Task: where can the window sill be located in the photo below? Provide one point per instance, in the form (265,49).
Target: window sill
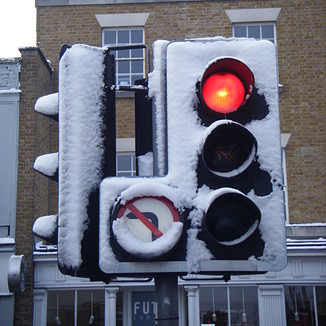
(124,94)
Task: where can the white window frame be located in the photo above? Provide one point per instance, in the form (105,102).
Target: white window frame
(125,22)
(260,25)
(259,16)
(284,141)
(126,146)
(126,58)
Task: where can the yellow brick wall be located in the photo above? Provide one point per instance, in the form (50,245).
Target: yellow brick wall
(300,29)
(32,188)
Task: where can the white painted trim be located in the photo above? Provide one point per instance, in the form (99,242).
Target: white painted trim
(110,305)
(284,139)
(253,15)
(193,305)
(39,307)
(271,303)
(122,20)
(125,144)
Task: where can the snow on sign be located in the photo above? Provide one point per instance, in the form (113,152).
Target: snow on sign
(146,221)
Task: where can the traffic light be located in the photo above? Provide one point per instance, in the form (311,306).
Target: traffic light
(215,201)
(215,204)
(85,110)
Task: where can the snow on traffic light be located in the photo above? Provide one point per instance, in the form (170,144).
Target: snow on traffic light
(85,110)
(217,158)
(214,203)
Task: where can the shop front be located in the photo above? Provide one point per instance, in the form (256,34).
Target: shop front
(294,296)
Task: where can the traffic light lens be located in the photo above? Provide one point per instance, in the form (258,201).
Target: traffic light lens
(231,219)
(228,150)
(223,92)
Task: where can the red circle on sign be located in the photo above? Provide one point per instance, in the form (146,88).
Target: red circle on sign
(147,227)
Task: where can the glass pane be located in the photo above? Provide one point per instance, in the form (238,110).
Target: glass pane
(124,163)
(123,67)
(137,36)
(90,310)
(137,53)
(109,37)
(321,304)
(123,37)
(239,31)
(267,31)
(134,164)
(124,174)
(60,308)
(299,305)
(213,306)
(244,306)
(123,54)
(119,309)
(135,77)
(254,31)
(137,66)
(123,80)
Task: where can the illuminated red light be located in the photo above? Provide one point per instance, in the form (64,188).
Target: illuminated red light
(223,92)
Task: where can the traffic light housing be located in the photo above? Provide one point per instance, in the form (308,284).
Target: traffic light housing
(215,202)
(85,110)
(217,161)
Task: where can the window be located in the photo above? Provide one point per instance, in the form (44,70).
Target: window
(256,23)
(305,305)
(229,305)
(126,164)
(130,64)
(79,307)
(126,159)
(256,31)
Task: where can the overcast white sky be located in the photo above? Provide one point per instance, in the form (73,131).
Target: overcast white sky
(17,26)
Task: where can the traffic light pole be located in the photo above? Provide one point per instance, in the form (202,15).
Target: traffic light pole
(166,294)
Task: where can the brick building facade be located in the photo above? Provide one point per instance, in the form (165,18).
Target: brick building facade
(300,48)
(299,30)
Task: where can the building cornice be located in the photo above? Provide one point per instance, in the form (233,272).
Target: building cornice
(52,3)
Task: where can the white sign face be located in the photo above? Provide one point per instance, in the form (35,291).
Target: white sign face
(148,218)
(147,227)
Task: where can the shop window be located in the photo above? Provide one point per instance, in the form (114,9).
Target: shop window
(75,308)
(229,306)
(321,304)
(244,306)
(130,64)
(90,308)
(305,305)
(60,308)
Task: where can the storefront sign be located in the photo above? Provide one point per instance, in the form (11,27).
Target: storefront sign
(143,308)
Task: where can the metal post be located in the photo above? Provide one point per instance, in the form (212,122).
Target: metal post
(166,294)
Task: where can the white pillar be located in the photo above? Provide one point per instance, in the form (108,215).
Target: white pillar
(39,307)
(193,305)
(271,305)
(110,306)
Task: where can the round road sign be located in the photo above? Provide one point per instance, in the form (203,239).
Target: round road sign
(147,227)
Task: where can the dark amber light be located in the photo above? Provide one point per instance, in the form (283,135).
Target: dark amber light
(223,92)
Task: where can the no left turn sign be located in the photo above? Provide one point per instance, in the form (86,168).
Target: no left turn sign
(146,220)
